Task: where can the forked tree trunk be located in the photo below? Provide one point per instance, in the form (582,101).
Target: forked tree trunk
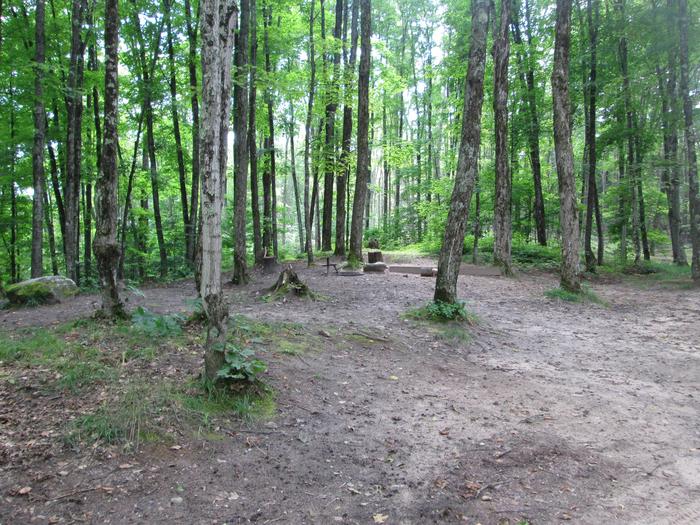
(240,120)
(362,176)
(501,217)
(468,158)
(344,172)
(105,243)
(568,206)
(38,147)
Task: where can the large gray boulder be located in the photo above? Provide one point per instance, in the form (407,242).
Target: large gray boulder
(51,289)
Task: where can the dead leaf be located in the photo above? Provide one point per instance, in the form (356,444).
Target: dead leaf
(24,490)
(380,518)
(124,466)
(176,447)
(445,432)
(393,378)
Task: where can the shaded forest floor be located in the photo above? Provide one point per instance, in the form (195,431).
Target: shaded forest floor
(543,412)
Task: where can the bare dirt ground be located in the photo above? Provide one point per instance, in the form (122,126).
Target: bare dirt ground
(550,412)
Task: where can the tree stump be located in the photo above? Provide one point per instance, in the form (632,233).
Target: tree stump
(373,243)
(378,267)
(269,264)
(375,257)
(287,281)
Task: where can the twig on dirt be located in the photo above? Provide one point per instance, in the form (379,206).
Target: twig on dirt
(482,489)
(372,337)
(233,432)
(273,520)
(75,493)
(499,456)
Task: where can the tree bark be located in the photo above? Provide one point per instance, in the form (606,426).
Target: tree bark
(37,268)
(295,182)
(105,243)
(270,205)
(331,107)
(252,137)
(592,196)
(74,112)
(468,158)
(172,81)
(501,217)
(344,172)
(308,208)
(362,175)
(690,143)
(240,119)
(568,207)
(216,29)
(191,228)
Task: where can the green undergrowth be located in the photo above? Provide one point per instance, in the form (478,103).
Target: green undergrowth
(650,273)
(166,412)
(586,295)
(278,337)
(130,381)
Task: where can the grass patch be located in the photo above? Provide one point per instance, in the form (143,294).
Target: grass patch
(441,312)
(162,412)
(650,273)
(584,296)
(284,338)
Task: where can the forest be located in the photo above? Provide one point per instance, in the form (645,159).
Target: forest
(289,227)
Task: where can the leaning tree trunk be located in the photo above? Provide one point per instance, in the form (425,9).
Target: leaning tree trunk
(468,159)
(38,151)
(568,207)
(105,243)
(502,236)
(363,153)
(215,27)
(690,143)
(240,120)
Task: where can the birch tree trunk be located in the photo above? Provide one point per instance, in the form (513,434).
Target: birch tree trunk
(308,205)
(105,242)
(215,33)
(468,158)
(568,206)
(362,176)
(501,217)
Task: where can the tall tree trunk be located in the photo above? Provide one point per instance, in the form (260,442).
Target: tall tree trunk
(362,175)
(308,208)
(240,120)
(215,28)
(252,137)
(533,126)
(568,207)
(127,199)
(501,217)
(172,81)
(270,205)
(468,158)
(690,142)
(38,176)
(105,243)
(295,182)
(343,176)
(385,162)
(191,227)
(146,75)
(74,112)
(331,107)
(592,196)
